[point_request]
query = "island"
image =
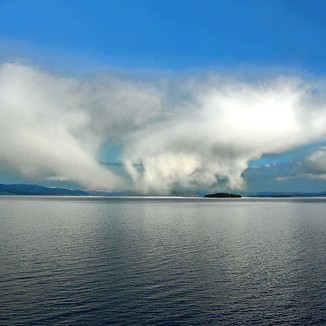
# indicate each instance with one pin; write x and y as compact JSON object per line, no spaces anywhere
{"x":222,"y":195}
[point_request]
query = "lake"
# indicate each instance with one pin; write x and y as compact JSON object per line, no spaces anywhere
{"x":162,"y":261}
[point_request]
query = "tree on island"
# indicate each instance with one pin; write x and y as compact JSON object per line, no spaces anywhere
{"x":222,"y":195}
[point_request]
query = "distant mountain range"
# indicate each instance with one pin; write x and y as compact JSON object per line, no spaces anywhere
{"x":286,"y":194}
{"x":37,"y":190}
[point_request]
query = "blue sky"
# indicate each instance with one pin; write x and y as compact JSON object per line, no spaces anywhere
{"x":180,"y":34}
{"x":142,"y":41}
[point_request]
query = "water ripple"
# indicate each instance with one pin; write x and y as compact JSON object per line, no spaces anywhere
{"x":160,"y":261}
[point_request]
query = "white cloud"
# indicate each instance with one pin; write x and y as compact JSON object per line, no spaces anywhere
{"x":175,"y":133}
{"x":316,"y":162}
{"x":317,"y":159}
{"x":54,"y":126}
{"x":315,"y":176}
{"x":222,"y":128}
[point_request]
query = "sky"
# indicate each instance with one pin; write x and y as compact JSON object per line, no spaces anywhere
{"x":164,"y":97}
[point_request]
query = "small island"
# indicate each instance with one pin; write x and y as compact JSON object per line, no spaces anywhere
{"x":222,"y":195}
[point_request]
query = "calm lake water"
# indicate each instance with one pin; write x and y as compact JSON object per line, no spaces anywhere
{"x":96,"y":261}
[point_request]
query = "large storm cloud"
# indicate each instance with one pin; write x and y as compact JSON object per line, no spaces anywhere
{"x":175,"y":133}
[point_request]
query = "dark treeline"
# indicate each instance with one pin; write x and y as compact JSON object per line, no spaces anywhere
{"x":222,"y":195}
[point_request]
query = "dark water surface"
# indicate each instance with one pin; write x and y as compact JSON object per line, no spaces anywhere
{"x":162,"y":261}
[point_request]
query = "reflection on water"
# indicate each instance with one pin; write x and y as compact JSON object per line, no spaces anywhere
{"x":141,"y":261}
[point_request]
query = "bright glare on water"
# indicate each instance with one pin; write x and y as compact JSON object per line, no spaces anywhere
{"x":95,"y":261}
